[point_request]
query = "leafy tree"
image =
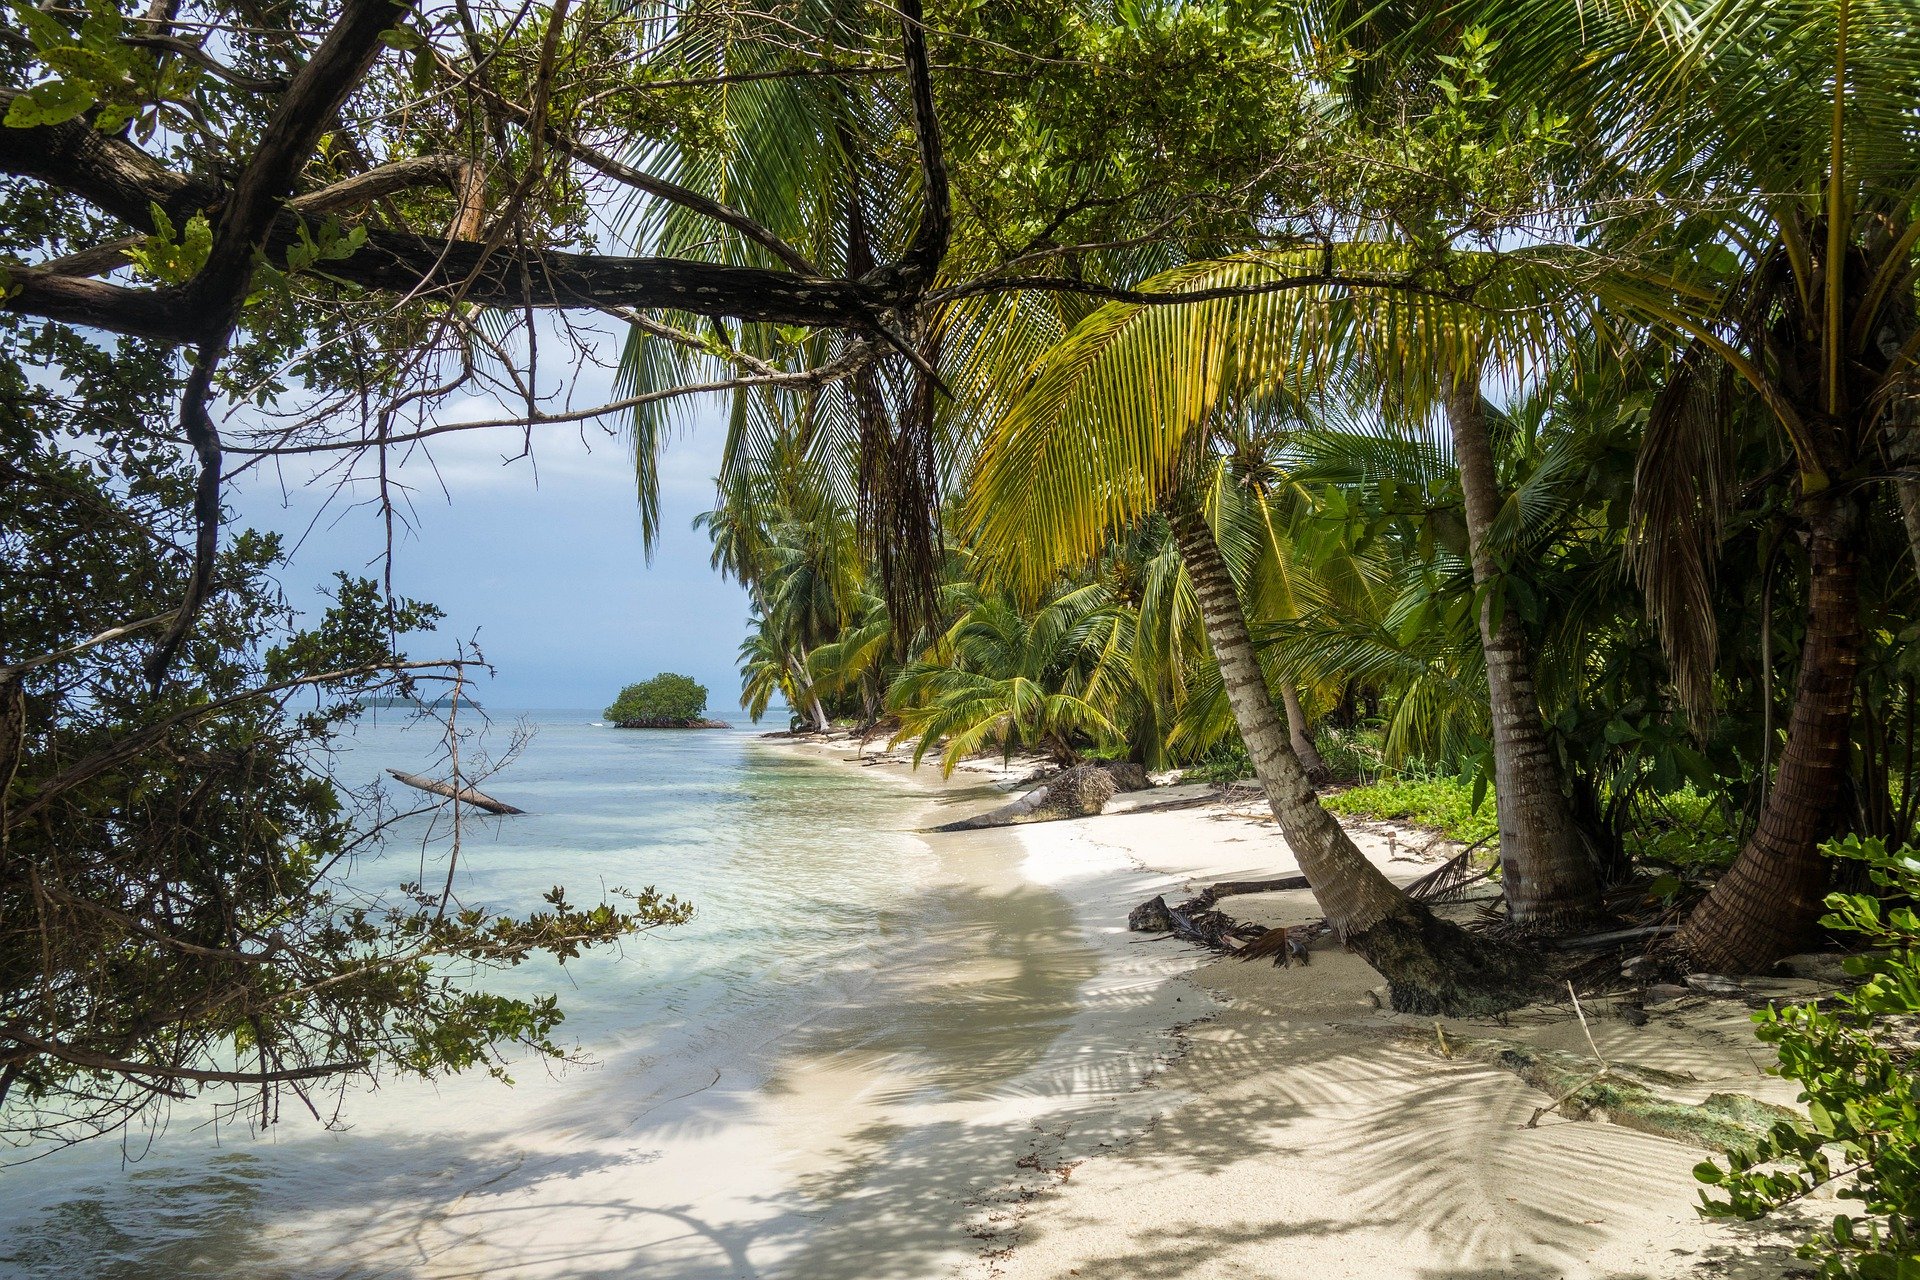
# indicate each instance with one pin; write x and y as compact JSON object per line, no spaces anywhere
{"x":174,"y":918}
{"x":668,"y":698}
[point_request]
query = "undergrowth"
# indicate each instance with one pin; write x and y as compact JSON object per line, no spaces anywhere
{"x":1441,"y":803}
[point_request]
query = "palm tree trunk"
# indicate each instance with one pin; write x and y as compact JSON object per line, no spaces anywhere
{"x":1430,"y":965}
{"x":1546,"y":871}
{"x":812,"y":699}
{"x":1766,"y":905}
{"x":1300,"y":736}
{"x":1907,"y":489}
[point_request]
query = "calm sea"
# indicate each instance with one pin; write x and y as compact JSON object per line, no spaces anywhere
{"x":828,"y":1036}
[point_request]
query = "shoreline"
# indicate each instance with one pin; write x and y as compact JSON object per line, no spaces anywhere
{"x":1280,"y":1133}
{"x":892,"y":1078}
{"x":1092,"y":1093}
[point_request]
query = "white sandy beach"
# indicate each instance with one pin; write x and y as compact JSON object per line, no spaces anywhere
{"x":1276,"y":1142}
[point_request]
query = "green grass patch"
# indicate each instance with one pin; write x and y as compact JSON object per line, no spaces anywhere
{"x":1440,"y":803}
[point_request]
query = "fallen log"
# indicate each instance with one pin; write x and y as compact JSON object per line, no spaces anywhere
{"x":465,"y":795}
{"x":1079,"y":792}
{"x":1617,"y":1094}
{"x":1228,"y":888}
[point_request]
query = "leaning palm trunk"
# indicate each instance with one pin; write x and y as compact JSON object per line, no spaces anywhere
{"x":1300,"y":736}
{"x":1767,"y":904}
{"x":1431,"y":966}
{"x":817,"y":712}
{"x":1546,"y":871}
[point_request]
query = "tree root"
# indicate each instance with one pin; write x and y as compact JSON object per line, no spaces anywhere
{"x":1436,"y":968}
{"x":1618,"y":1094}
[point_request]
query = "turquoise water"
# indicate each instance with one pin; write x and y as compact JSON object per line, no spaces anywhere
{"x":831,"y":1033}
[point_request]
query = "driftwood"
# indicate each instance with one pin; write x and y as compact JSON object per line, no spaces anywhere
{"x":1612,"y":938}
{"x":465,"y":795}
{"x":1617,"y":1093}
{"x":1191,"y":921}
{"x":1079,"y":792}
{"x":1228,"y":888}
{"x":1196,"y":920}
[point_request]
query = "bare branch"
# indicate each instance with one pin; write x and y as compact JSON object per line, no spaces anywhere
{"x":107,"y":1062}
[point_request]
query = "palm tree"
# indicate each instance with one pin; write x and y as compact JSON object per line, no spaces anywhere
{"x":1548,"y":876}
{"x":1010,"y":677}
{"x":1147,"y":381}
{"x":780,"y":533}
{"x":1050,"y":486}
{"x":1776,"y":151}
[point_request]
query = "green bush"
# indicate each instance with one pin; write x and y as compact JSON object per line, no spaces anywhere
{"x":1858,"y":1085}
{"x":667,"y":698}
{"x":1442,"y":803}
{"x":1227,"y":762}
{"x":1353,"y":755}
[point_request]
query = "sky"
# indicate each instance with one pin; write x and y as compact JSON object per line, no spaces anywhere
{"x":538,"y":560}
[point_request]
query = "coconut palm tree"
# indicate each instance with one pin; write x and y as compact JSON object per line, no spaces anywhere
{"x":1775,"y":151}
{"x":1010,"y":677}
{"x":1083,"y":453}
{"x":1136,"y":386}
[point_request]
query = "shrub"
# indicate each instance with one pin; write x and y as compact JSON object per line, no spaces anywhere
{"x":1226,"y":762}
{"x":1352,"y":755}
{"x":1858,"y":1085}
{"x":1443,"y":803}
{"x":667,"y":698}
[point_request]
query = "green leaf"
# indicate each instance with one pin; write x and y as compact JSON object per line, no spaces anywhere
{"x":54,"y":103}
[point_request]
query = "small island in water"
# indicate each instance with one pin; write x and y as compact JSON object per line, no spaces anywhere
{"x":668,"y":701}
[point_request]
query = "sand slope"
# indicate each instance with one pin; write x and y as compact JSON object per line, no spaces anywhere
{"x":1286,"y":1147}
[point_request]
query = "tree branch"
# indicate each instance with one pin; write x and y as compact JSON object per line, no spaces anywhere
{"x":838,"y":369}
{"x":107,"y":1062}
{"x":305,"y":112}
{"x":619,"y":171}
{"x":110,"y":634}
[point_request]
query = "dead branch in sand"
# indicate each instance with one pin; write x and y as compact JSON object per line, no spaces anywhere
{"x":1722,"y":1122}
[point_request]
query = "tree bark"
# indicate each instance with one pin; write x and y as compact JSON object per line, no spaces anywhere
{"x":1767,"y":904}
{"x":465,"y":795}
{"x":1546,"y":871}
{"x":1300,"y":737}
{"x":814,"y":709}
{"x":1430,"y":966}
{"x":1907,"y":490}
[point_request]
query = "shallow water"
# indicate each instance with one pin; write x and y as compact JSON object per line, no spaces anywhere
{"x":822,"y":1075}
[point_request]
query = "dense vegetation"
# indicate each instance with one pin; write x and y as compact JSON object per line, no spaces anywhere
{"x":1522,"y":390}
{"x":667,"y":699}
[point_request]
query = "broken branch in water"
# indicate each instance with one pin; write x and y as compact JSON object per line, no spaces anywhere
{"x":465,"y":795}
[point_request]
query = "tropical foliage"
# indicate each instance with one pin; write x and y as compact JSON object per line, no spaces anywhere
{"x":1523,"y":388}
{"x":1857,"y":1082}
